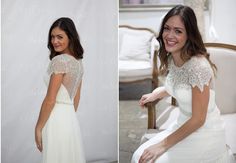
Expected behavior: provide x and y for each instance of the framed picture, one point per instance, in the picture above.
(150, 5)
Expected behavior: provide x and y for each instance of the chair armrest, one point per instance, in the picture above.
(154, 61)
(155, 83)
(154, 47)
(151, 106)
(152, 112)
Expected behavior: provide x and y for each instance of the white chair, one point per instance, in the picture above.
(138, 58)
(136, 53)
(224, 56)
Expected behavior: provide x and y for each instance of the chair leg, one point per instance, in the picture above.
(173, 101)
(152, 109)
(151, 116)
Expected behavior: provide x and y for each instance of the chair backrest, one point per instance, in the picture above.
(135, 43)
(224, 56)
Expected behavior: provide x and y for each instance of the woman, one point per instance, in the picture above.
(57, 132)
(198, 134)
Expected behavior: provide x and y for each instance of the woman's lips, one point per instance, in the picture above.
(171, 43)
(56, 46)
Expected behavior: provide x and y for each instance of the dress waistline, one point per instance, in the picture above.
(66, 103)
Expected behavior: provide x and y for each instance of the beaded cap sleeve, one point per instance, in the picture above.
(58, 65)
(72, 70)
(195, 72)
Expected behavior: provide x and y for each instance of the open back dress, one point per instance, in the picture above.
(61, 136)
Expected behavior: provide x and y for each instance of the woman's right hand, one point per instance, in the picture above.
(150, 97)
(158, 93)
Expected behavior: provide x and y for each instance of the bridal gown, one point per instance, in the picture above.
(61, 135)
(205, 145)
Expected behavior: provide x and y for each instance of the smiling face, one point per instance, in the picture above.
(60, 40)
(174, 35)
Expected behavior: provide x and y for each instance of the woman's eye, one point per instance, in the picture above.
(166, 28)
(60, 37)
(178, 31)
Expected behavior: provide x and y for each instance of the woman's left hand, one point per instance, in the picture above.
(152, 153)
(38, 139)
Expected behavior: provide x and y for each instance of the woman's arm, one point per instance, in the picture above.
(160, 92)
(77, 97)
(47, 106)
(199, 111)
(157, 93)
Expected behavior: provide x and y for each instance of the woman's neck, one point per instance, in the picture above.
(177, 59)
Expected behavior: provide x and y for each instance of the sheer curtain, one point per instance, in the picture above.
(25, 26)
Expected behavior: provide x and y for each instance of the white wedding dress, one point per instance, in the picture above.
(61, 135)
(205, 145)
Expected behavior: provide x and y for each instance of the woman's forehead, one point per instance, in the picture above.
(175, 22)
(57, 31)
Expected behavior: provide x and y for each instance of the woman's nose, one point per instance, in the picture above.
(170, 34)
(54, 41)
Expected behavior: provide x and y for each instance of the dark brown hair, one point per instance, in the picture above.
(194, 44)
(68, 26)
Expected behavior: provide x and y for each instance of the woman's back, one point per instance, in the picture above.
(72, 70)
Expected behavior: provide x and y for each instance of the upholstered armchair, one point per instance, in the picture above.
(138, 57)
(224, 56)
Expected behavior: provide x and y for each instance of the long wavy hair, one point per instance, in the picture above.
(68, 26)
(194, 44)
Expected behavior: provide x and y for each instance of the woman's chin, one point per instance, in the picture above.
(58, 51)
(169, 50)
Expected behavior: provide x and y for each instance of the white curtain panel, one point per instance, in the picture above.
(25, 26)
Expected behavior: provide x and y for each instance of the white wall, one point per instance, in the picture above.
(224, 14)
(25, 26)
(223, 20)
(149, 19)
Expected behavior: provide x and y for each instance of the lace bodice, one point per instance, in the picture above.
(72, 70)
(195, 72)
(180, 80)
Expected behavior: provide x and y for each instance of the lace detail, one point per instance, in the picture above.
(201, 73)
(195, 72)
(58, 65)
(72, 70)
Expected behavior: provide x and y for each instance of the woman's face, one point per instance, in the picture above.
(60, 40)
(174, 35)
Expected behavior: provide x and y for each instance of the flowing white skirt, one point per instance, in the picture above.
(199, 147)
(61, 137)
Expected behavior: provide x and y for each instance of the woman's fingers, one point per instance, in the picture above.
(38, 140)
(141, 101)
(145, 99)
(146, 157)
(154, 158)
(39, 146)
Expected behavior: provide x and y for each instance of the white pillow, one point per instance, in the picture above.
(135, 47)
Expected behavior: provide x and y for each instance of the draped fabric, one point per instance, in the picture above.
(25, 26)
